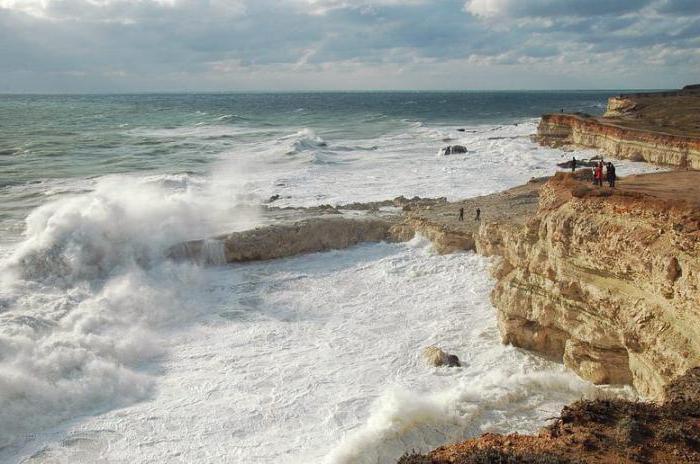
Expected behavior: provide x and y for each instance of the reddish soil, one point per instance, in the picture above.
(595, 432)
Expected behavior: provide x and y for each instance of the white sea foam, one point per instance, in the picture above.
(317, 359)
(82, 297)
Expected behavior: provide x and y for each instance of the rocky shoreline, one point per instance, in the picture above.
(606, 281)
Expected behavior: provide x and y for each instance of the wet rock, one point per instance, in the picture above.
(435, 356)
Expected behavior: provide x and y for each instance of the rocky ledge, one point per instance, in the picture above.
(661, 128)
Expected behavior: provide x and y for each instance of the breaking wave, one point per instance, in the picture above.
(86, 296)
(304, 140)
(401, 420)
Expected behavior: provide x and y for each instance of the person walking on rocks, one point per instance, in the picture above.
(478, 215)
(461, 214)
(573, 164)
(610, 172)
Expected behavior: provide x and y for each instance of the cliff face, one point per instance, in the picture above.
(607, 283)
(662, 128)
(620, 141)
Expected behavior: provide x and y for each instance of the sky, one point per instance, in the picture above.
(241, 45)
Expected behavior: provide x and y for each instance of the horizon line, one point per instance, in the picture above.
(214, 92)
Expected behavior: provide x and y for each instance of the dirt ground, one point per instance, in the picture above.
(594, 432)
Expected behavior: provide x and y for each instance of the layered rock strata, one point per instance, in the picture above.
(619, 141)
(607, 282)
(661, 128)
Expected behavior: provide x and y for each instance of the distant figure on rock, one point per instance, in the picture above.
(434, 356)
(612, 177)
(573, 164)
(478, 215)
(461, 214)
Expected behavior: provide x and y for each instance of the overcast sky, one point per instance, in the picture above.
(180, 45)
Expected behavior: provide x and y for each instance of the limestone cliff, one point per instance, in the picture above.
(620, 141)
(607, 282)
(662, 128)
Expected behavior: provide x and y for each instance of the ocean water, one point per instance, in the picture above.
(109, 352)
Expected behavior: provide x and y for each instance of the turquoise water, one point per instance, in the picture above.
(73, 136)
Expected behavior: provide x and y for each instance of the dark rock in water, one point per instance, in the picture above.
(461, 130)
(453, 361)
(454, 150)
(579, 164)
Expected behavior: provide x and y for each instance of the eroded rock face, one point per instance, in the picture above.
(621, 142)
(610, 285)
(278, 241)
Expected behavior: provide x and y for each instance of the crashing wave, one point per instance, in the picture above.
(304, 140)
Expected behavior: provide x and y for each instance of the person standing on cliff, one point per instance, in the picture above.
(611, 175)
(478, 215)
(573, 164)
(461, 214)
(598, 174)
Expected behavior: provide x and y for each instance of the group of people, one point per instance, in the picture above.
(610, 175)
(601, 170)
(598, 173)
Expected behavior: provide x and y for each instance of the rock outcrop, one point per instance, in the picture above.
(606, 282)
(436, 357)
(454, 150)
(279, 241)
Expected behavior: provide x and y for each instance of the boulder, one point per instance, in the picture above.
(434, 356)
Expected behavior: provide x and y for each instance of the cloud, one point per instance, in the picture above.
(549, 8)
(120, 45)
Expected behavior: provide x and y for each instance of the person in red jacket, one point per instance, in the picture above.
(598, 174)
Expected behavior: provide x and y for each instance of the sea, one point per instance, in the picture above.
(112, 353)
